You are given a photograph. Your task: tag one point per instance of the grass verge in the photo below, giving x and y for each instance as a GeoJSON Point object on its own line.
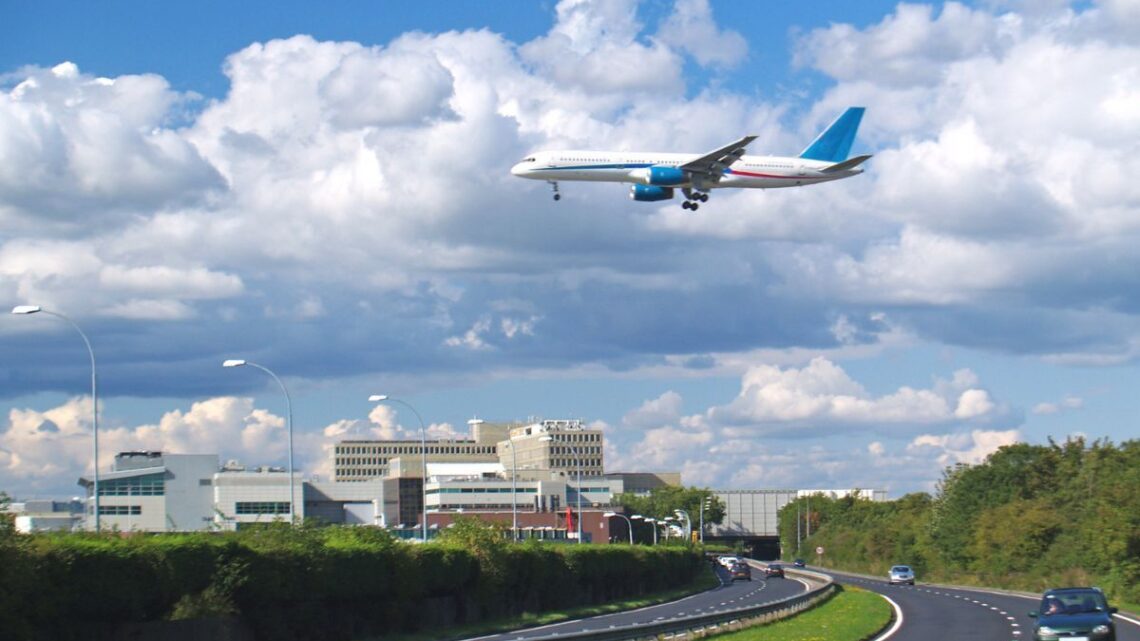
{"type": "Point", "coordinates": [706, 581]}
{"type": "Point", "coordinates": [851, 615]}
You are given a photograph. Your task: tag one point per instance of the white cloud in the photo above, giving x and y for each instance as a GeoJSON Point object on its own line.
{"type": "Point", "coordinates": [971, 448]}
{"type": "Point", "coordinates": [55, 446]}
{"type": "Point", "coordinates": [1068, 403]}
{"type": "Point", "coordinates": [823, 394]}
{"type": "Point", "coordinates": [594, 47]}
{"type": "Point", "coordinates": [691, 28]}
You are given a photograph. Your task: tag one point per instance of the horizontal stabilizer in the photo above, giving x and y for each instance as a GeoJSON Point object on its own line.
{"type": "Point", "coordinates": [850, 163]}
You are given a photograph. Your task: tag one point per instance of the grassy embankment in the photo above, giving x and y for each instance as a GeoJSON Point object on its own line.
{"type": "Point", "coordinates": [851, 615]}
{"type": "Point", "coordinates": [706, 581]}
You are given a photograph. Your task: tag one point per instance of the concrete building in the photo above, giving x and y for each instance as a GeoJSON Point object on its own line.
{"type": "Point", "coordinates": [536, 450]}
{"type": "Point", "coordinates": [645, 482]}
{"type": "Point", "coordinates": [553, 448]}
{"type": "Point", "coordinates": [163, 492]}
{"type": "Point", "coordinates": [150, 492]}
{"type": "Point", "coordinates": [46, 515]}
{"type": "Point", "coordinates": [361, 460]}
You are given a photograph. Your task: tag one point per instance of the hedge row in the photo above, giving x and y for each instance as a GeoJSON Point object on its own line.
{"type": "Point", "coordinates": [333, 583]}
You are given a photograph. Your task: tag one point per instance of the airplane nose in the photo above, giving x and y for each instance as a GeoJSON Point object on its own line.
{"type": "Point", "coordinates": [518, 169]}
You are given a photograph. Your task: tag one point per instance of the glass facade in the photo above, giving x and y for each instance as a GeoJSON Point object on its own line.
{"type": "Point", "coordinates": [148, 485]}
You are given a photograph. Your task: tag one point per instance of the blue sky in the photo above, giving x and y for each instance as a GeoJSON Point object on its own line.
{"type": "Point", "coordinates": [325, 191]}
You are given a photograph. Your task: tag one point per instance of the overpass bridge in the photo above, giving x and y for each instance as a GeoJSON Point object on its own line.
{"type": "Point", "coordinates": [751, 516]}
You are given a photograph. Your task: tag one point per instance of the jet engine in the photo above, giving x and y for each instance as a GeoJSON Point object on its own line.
{"type": "Point", "coordinates": [659, 175]}
{"type": "Point", "coordinates": [650, 193]}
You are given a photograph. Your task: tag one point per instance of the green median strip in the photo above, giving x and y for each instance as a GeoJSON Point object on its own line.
{"type": "Point", "coordinates": [851, 615]}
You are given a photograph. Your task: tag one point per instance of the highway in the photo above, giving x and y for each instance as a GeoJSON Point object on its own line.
{"type": "Point", "coordinates": [932, 613]}
{"type": "Point", "coordinates": [727, 596]}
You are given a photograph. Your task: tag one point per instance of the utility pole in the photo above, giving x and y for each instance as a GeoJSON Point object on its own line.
{"type": "Point", "coordinates": [808, 524]}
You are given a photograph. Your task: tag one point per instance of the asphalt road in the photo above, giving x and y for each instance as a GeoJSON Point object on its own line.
{"type": "Point", "coordinates": [727, 596]}
{"type": "Point", "coordinates": [932, 613]}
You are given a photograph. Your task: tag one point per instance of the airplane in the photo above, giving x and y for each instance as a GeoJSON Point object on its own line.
{"type": "Point", "coordinates": [655, 176]}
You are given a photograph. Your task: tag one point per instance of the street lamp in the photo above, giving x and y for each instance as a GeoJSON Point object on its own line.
{"type": "Point", "coordinates": [688, 523]}
{"type": "Point", "coordinates": [707, 503]}
{"type": "Point", "coordinates": [237, 362]}
{"type": "Point", "coordinates": [23, 310]}
{"type": "Point", "coordinates": [651, 522]}
{"type": "Point", "coordinates": [630, 523]}
{"type": "Point", "coordinates": [578, 459]}
{"type": "Point", "coordinates": [514, 483]}
{"type": "Point", "coordinates": [384, 398]}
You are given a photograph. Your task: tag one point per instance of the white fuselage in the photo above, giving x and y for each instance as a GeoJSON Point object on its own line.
{"type": "Point", "coordinates": [756, 172]}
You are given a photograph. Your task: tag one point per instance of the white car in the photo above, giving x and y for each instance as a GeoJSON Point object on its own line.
{"type": "Point", "coordinates": [728, 561]}
{"type": "Point", "coordinates": [900, 574]}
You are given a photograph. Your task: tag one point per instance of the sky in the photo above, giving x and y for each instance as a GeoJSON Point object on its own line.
{"type": "Point", "coordinates": [324, 190]}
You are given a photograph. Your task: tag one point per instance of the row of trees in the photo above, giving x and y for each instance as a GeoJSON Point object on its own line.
{"type": "Point", "coordinates": [1029, 516]}
{"type": "Point", "coordinates": [332, 583]}
{"type": "Point", "coordinates": [664, 502]}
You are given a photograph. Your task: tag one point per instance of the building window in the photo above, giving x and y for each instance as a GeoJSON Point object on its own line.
{"type": "Point", "coordinates": [262, 507]}
{"type": "Point", "coordinates": [148, 485]}
{"type": "Point", "coordinates": [120, 510]}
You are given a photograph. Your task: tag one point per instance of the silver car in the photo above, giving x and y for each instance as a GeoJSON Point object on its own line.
{"type": "Point", "coordinates": [900, 574]}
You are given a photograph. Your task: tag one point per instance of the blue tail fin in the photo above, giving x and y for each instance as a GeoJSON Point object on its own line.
{"type": "Point", "coordinates": [834, 143]}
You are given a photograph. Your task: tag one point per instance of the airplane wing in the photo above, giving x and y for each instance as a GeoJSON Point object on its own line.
{"type": "Point", "coordinates": [711, 166]}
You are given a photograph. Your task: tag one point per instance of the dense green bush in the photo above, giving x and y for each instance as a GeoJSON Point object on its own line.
{"type": "Point", "coordinates": [305, 583]}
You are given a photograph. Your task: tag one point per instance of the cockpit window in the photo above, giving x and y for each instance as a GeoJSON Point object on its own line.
{"type": "Point", "coordinates": [531, 159]}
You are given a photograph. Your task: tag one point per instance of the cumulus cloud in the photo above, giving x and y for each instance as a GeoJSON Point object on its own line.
{"type": "Point", "coordinates": [1066, 404]}
{"type": "Point", "coordinates": [971, 448]}
{"type": "Point", "coordinates": [306, 208]}
{"type": "Point", "coordinates": [52, 448]}
{"type": "Point", "coordinates": [823, 394]}
{"type": "Point", "coordinates": [691, 28]}
{"type": "Point", "coordinates": [79, 148]}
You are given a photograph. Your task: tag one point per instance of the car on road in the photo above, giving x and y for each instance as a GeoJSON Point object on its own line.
{"type": "Point", "coordinates": [799, 563]}
{"type": "Point", "coordinates": [774, 570]}
{"type": "Point", "coordinates": [740, 571]}
{"type": "Point", "coordinates": [900, 574]}
{"type": "Point", "coordinates": [728, 561]}
{"type": "Point", "coordinates": [1072, 613]}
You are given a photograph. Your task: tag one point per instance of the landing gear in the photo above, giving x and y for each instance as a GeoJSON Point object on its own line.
{"type": "Point", "coordinates": [693, 198]}
{"type": "Point", "coordinates": [554, 185]}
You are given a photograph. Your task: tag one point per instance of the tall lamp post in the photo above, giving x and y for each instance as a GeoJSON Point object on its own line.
{"type": "Point", "coordinates": [628, 522]}
{"type": "Point", "coordinates": [705, 503]}
{"type": "Point", "coordinates": [384, 398]}
{"type": "Point", "coordinates": [514, 489]}
{"type": "Point", "coordinates": [237, 362]}
{"type": "Point", "coordinates": [688, 524]}
{"type": "Point", "coordinates": [23, 310]}
{"type": "Point", "coordinates": [577, 459]}
{"type": "Point", "coordinates": [651, 522]}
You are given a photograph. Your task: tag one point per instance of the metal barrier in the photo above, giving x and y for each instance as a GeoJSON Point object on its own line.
{"type": "Point", "coordinates": [701, 625]}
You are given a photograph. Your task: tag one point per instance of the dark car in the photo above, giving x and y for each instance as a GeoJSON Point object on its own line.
{"type": "Point", "coordinates": [774, 570]}
{"type": "Point", "coordinates": [799, 563]}
{"type": "Point", "coordinates": [1074, 612]}
{"type": "Point", "coordinates": [740, 571]}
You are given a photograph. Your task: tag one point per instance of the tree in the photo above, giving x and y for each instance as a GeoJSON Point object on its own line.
{"type": "Point", "coordinates": [663, 502]}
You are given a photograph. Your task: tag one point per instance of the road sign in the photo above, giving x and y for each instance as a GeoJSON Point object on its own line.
{"type": "Point", "coordinates": [819, 550]}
